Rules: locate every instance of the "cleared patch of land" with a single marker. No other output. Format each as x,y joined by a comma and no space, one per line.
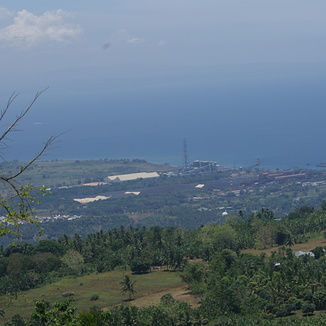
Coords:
106,285
179,293
307,246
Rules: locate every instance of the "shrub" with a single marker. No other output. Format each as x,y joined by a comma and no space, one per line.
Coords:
197,288
308,309
167,299
94,297
319,299
318,252
308,297
298,304
282,312
270,307
289,307
139,266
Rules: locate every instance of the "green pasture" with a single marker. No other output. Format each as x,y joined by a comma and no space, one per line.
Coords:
59,173
105,285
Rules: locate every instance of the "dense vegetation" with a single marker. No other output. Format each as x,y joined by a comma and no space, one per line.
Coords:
235,288
168,201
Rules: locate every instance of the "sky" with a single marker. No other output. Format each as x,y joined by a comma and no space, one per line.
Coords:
90,49
39,36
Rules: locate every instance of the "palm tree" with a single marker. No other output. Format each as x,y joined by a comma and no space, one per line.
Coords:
128,285
290,241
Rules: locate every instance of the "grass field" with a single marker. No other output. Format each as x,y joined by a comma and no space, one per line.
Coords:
307,246
105,285
74,172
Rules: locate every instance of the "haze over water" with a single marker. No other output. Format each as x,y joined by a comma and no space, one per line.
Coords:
230,116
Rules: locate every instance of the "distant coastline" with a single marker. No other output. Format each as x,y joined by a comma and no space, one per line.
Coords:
233,126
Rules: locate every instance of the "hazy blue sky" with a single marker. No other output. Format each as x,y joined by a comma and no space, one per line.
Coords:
47,35
80,48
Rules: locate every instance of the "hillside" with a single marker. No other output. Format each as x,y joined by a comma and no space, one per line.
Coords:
104,286
244,270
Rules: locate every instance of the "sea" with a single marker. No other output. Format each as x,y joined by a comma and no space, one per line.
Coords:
233,119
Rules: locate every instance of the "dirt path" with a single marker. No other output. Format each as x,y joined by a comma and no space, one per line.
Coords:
178,293
297,247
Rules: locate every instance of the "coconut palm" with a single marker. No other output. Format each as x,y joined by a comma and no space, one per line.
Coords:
128,285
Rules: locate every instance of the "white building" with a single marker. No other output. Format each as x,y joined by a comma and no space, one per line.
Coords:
132,176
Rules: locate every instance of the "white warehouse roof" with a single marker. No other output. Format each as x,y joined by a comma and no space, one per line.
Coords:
132,176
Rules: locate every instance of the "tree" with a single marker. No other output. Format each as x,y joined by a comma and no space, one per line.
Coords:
218,236
318,252
193,273
74,261
52,246
128,285
319,299
265,214
140,265
60,314
289,240
15,197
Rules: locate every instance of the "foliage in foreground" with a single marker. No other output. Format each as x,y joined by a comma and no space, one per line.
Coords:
169,313
231,285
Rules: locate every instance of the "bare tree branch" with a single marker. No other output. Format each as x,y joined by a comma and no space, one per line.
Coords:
10,100
47,144
16,202
20,116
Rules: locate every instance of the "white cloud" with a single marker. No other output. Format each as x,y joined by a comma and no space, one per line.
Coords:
5,12
135,40
123,36
161,43
29,30
5,17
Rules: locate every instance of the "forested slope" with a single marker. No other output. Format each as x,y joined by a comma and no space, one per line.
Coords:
233,287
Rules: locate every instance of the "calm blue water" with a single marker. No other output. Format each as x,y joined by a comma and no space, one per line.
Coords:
233,122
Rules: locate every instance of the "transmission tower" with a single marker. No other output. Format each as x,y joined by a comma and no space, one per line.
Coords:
185,155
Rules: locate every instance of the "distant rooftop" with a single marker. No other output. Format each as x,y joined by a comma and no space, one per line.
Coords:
132,176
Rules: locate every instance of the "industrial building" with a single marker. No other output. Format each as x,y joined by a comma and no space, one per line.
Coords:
131,176
205,166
